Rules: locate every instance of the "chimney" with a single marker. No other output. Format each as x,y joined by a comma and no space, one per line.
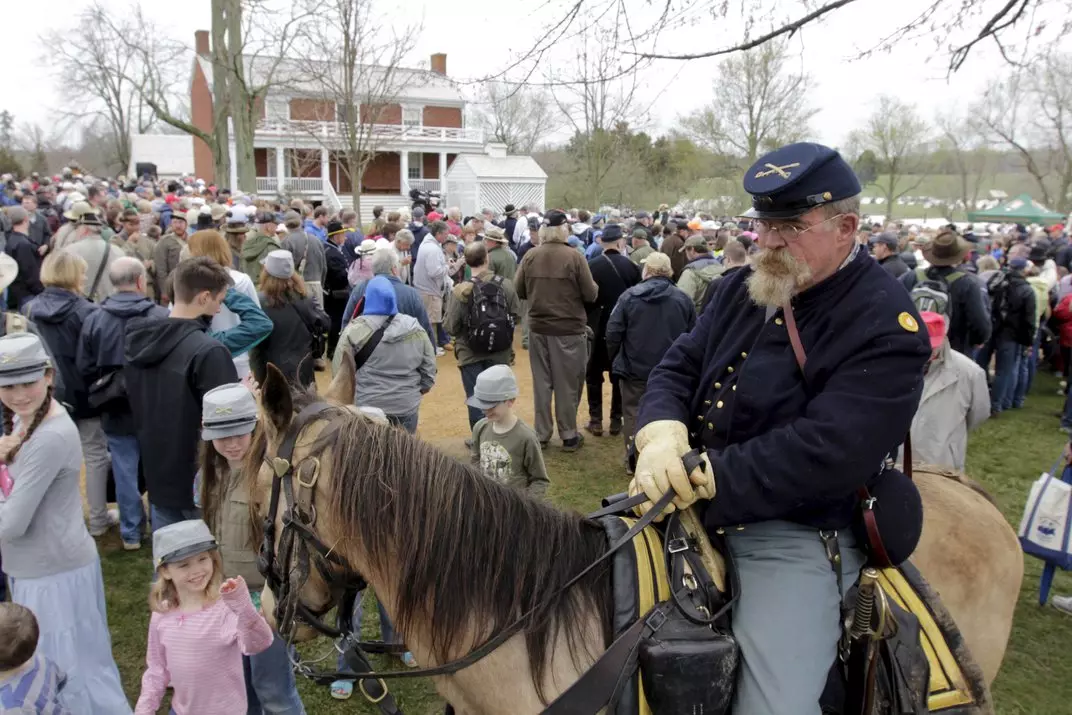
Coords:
439,63
201,43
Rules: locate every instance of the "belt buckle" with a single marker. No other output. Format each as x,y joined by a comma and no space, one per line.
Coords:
678,545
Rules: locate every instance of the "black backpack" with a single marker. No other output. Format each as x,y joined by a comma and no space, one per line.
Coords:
491,327
997,287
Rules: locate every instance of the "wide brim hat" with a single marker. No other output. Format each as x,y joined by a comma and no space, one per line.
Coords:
218,212
947,249
23,359
181,540
236,228
495,234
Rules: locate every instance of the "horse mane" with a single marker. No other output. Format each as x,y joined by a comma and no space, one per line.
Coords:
469,555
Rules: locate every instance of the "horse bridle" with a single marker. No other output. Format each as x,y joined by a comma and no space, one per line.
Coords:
286,571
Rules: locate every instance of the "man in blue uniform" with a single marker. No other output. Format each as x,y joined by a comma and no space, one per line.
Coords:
790,435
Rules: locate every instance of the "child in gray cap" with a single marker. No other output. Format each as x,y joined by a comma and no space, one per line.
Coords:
506,448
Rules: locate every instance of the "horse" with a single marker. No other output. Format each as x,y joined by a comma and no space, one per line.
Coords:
455,557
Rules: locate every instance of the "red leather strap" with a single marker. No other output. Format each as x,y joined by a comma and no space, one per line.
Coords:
794,336
878,549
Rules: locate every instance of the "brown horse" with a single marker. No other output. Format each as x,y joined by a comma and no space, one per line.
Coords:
455,557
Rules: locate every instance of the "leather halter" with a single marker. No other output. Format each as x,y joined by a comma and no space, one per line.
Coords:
286,571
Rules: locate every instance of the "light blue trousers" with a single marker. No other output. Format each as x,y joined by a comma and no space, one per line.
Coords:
787,618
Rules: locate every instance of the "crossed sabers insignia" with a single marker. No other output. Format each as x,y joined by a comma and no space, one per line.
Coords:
779,170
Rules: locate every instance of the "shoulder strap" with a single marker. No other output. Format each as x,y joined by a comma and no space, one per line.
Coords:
100,272
612,266
365,352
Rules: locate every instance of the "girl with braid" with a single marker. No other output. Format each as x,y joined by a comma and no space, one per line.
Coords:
49,556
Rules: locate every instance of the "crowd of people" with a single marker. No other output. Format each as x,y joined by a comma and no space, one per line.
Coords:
141,315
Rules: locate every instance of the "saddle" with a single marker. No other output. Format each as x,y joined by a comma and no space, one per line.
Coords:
687,667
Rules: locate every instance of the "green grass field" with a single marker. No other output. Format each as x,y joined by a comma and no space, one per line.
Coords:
948,187
1005,454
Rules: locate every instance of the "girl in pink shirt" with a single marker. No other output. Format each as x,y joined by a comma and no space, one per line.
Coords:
200,628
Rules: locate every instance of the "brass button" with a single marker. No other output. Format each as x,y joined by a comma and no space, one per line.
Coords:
718,386
740,528
707,402
719,404
777,321
710,426
720,531
744,355
734,388
699,417
729,369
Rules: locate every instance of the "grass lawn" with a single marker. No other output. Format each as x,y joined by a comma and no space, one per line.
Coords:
1005,454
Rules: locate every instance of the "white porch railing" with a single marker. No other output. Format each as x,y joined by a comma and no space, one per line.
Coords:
298,185
423,185
330,198
293,128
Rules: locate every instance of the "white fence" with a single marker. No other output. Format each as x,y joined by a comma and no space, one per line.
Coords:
293,184
295,128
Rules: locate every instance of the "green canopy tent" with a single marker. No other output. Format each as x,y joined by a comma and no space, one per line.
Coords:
1021,209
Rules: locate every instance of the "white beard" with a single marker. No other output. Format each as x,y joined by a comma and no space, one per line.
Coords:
776,277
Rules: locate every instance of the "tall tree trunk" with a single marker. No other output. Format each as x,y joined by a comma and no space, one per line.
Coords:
242,121
221,157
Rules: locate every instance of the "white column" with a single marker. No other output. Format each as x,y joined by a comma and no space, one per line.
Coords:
232,151
404,163
443,173
280,168
325,170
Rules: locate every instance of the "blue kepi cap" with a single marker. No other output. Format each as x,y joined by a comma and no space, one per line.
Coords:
790,181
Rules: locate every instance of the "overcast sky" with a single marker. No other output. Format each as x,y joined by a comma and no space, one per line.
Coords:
474,34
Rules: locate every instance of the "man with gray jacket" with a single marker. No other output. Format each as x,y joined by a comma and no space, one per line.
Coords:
308,252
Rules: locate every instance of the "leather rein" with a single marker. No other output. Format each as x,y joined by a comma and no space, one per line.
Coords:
286,570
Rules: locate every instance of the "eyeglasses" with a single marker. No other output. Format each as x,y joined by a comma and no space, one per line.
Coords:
787,232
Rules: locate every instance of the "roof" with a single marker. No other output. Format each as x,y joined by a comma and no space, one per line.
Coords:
500,167
295,75
1022,208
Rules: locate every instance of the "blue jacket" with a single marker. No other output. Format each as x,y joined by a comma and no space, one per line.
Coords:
787,444
645,322
59,315
101,346
408,299
354,237
255,325
312,229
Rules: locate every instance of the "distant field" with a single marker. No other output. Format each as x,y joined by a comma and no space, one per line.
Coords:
947,186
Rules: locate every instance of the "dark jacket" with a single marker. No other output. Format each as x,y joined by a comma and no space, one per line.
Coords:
407,298
969,319
170,365
27,283
786,443
40,233
336,283
646,321
290,346
1017,321
894,265
101,347
419,232
59,315
671,246
614,274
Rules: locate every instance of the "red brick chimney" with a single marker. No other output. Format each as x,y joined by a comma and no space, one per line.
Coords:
439,63
201,43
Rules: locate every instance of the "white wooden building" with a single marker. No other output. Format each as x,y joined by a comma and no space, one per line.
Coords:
493,180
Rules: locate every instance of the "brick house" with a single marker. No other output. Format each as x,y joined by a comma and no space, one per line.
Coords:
417,136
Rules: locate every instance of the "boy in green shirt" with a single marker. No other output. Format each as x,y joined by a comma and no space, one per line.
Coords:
506,448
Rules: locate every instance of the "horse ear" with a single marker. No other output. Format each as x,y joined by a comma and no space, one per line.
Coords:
276,400
341,389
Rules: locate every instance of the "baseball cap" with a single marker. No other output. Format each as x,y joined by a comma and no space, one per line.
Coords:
696,243
888,238
936,327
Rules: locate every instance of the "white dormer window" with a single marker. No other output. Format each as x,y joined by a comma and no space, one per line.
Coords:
412,116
